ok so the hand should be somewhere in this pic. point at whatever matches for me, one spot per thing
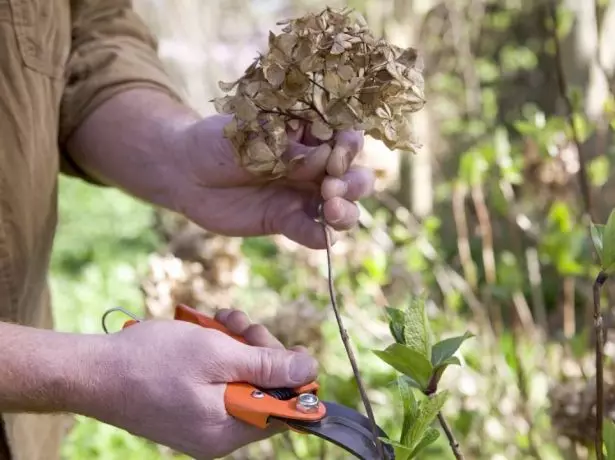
(217, 194)
(165, 381)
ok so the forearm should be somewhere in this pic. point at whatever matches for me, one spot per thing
(47, 371)
(128, 143)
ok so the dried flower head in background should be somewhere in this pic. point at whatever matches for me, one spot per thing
(327, 70)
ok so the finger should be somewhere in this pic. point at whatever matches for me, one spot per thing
(340, 213)
(300, 228)
(233, 361)
(355, 184)
(236, 321)
(293, 214)
(222, 314)
(311, 161)
(259, 336)
(299, 349)
(347, 145)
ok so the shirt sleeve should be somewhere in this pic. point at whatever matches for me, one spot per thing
(112, 51)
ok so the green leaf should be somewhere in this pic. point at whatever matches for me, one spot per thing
(417, 333)
(446, 348)
(429, 437)
(608, 244)
(407, 361)
(428, 410)
(597, 234)
(410, 408)
(401, 452)
(396, 324)
(608, 434)
(411, 382)
(439, 370)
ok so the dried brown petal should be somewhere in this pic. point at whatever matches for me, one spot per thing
(274, 73)
(332, 83)
(224, 104)
(346, 72)
(321, 130)
(327, 69)
(227, 86)
(245, 109)
(296, 82)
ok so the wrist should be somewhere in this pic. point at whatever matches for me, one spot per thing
(95, 376)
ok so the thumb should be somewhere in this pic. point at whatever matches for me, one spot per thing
(269, 367)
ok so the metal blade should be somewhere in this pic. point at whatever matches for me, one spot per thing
(346, 428)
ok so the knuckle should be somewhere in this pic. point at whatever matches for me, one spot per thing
(238, 321)
(265, 366)
(222, 314)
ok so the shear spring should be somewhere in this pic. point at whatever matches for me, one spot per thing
(112, 310)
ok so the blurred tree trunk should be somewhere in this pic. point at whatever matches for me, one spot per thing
(589, 61)
(400, 21)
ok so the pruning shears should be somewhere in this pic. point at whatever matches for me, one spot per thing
(300, 409)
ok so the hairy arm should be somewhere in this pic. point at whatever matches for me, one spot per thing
(47, 371)
(127, 143)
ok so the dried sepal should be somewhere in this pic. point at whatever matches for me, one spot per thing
(329, 71)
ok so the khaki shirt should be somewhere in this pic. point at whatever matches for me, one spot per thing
(59, 59)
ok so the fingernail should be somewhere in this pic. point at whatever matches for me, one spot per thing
(302, 368)
(336, 166)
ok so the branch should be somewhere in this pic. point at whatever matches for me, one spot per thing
(598, 325)
(349, 352)
(451, 437)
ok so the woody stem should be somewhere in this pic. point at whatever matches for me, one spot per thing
(349, 352)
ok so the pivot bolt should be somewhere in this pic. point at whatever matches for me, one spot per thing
(307, 402)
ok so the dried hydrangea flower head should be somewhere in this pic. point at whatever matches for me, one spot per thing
(328, 70)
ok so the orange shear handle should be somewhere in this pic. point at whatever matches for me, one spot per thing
(242, 400)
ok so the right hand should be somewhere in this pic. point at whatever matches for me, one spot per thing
(164, 380)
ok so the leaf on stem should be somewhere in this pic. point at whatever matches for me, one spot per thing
(608, 434)
(608, 245)
(407, 361)
(402, 452)
(446, 348)
(396, 324)
(429, 437)
(428, 411)
(417, 333)
(417, 433)
(597, 234)
(410, 408)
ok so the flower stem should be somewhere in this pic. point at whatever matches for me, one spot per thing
(349, 352)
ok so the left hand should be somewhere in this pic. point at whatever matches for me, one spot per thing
(213, 191)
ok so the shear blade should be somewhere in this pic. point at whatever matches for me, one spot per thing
(348, 429)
